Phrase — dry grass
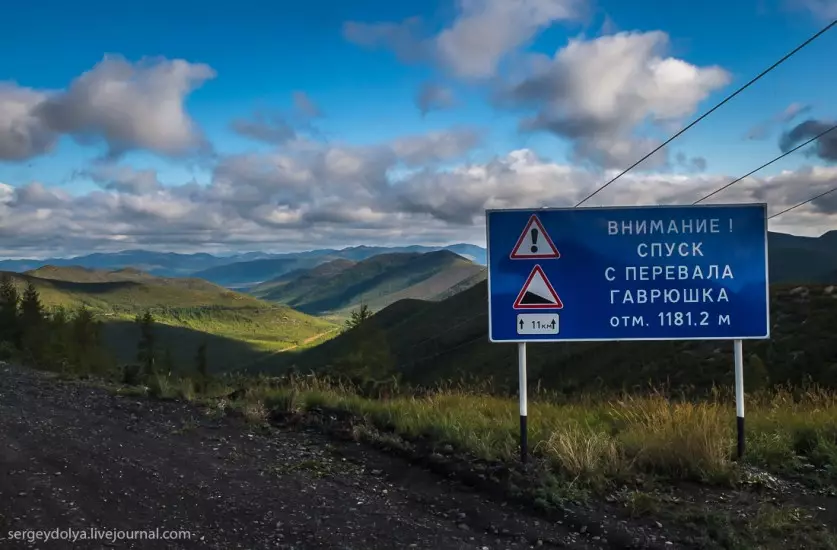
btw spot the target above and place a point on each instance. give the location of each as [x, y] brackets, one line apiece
[683, 439]
[584, 452]
[595, 439]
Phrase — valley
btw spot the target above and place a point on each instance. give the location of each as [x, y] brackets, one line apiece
[236, 328]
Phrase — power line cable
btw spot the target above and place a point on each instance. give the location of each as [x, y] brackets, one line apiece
[766, 164]
[713, 109]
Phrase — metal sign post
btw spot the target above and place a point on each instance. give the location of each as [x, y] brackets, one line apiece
[521, 373]
[739, 394]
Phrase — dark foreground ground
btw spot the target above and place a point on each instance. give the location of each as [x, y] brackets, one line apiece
[76, 457]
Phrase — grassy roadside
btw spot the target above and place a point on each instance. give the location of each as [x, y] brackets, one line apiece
[649, 459]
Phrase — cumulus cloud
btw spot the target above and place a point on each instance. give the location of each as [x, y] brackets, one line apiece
[131, 106]
[824, 147]
[486, 30]
[338, 195]
[431, 97]
[127, 106]
[276, 127]
[435, 146]
[23, 134]
[483, 33]
[124, 179]
[597, 92]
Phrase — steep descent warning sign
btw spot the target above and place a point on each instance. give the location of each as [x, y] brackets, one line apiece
[534, 243]
[538, 293]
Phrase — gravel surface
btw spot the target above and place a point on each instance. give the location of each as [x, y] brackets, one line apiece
[74, 457]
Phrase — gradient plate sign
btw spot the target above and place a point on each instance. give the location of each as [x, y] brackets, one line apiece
[628, 273]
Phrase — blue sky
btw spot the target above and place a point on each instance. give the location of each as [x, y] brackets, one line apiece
[261, 53]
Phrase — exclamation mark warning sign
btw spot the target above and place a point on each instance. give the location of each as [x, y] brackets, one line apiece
[534, 243]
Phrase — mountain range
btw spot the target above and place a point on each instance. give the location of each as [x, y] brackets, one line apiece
[239, 270]
[792, 259]
[378, 281]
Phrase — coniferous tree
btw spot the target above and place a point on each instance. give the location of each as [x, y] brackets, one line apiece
[32, 324]
[358, 316]
[85, 349]
[59, 336]
[9, 301]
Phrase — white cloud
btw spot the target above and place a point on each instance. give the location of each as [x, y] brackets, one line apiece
[127, 106]
[23, 134]
[435, 146]
[597, 93]
[338, 196]
[124, 179]
[483, 33]
[486, 30]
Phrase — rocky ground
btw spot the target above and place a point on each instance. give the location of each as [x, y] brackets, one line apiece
[79, 457]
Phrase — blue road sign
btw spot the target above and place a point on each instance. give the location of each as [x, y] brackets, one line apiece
[628, 273]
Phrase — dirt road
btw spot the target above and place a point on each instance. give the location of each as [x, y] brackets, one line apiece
[85, 462]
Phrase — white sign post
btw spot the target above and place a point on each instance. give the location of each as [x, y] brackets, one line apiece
[521, 373]
[739, 394]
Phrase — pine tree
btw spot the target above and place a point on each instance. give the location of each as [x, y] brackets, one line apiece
[9, 301]
[146, 352]
[32, 324]
[358, 317]
[59, 336]
[85, 343]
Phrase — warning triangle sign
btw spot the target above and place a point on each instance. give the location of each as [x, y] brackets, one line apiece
[534, 243]
[538, 293]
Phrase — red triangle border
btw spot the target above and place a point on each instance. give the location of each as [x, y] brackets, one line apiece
[546, 236]
[538, 269]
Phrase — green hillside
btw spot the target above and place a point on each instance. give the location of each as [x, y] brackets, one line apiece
[256, 271]
[796, 259]
[77, 274]
[238, 328]
[377, 281]
[462, 286]
[429, 341]
[302, 279]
